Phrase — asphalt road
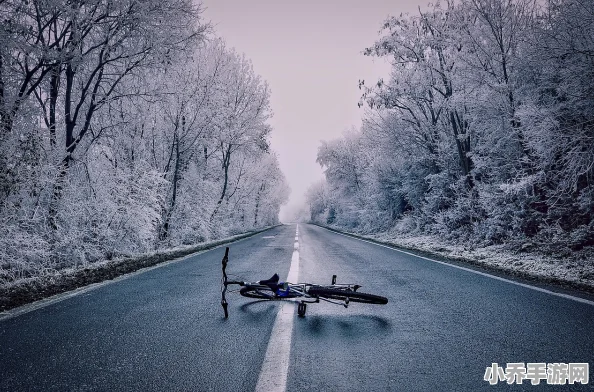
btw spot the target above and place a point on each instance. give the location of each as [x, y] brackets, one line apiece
[163, 330]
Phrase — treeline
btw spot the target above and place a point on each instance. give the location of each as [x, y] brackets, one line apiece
[483, 134]
[125, 127]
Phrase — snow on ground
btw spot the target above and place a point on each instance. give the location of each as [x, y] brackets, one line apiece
[576, 269]
[52, 282]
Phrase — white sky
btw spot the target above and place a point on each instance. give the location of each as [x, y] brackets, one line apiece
[309, 52]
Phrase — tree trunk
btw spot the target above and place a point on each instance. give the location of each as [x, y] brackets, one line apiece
[70, 145]
[164, 233]
[57, 192]
[258, 197]
[2, 101]
[226, 162]
[53, 99]
[463, 144]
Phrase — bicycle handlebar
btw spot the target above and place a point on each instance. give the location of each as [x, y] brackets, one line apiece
[273, 283]
[225, 282]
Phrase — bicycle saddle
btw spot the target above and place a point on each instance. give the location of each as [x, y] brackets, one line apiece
[272, 282]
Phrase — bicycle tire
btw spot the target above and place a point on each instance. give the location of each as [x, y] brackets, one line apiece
[353, 296]
[262, 292]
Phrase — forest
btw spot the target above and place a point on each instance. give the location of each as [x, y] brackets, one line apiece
[125, 127]
[483, 133]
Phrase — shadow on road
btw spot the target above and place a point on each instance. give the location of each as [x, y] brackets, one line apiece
[265, 310]
[347, 325]
[260, 309]
[351, 326]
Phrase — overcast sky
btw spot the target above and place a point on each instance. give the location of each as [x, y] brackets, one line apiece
[309, 52]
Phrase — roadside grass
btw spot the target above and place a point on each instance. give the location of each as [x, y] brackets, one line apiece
[575, 270]
[52, 282]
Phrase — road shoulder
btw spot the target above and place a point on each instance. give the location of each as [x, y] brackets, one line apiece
[28, 291]
[527, 268]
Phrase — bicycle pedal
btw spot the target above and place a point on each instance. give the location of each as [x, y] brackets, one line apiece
[301, 309]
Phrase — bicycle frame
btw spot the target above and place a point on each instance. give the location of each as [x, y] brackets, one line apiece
[300, 291]
[272, 289]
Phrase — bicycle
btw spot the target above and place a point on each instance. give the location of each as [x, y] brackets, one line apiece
[274, 290]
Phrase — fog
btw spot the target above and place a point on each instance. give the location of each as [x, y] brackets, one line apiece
[310, 53]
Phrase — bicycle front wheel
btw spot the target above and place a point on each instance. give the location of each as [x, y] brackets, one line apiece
[264, 292]
[342, 295]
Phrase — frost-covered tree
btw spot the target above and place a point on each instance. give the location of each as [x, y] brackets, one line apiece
[125, 130]
[482, 132]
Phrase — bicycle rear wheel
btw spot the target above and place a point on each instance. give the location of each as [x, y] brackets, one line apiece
[343, 294]
[263, 292]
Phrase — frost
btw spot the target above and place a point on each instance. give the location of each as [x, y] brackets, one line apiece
[480, 144]
[149, 137]
[545, 267]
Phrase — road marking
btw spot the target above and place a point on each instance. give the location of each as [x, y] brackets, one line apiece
[562, 295]
[275, 368]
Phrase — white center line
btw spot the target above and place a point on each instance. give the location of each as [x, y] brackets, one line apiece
[275, 368]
